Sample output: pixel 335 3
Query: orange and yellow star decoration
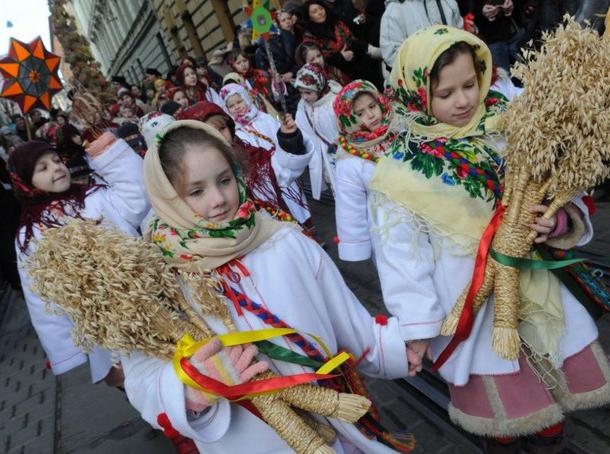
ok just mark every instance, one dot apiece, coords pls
pixel 30 75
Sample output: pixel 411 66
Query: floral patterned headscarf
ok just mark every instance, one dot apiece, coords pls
pixel 409 83
pixel 311 76
pixel 187 240
pixel 235 89
pixel 351 130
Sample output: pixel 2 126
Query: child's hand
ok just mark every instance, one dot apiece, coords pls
pixel 348 55
pixel 232 365
pixel 288 125
pixel 543 226
pixel 415 354
pixel 508 7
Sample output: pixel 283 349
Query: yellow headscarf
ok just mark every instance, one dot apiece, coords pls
pixel 417 173
pixel 410 81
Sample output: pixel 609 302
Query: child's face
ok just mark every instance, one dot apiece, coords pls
pixel 51 174
pixel 241 64
pixel 219 123
pixel 190 77
pixel 236 105
pixel 181 99
pixel 208 185
pixel 315 56
pixel 455 97
pixel 368 112
pixel 309 96
pixel 285 21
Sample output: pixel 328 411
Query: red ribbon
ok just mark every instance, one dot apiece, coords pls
pixel 234 392
pixel 466 320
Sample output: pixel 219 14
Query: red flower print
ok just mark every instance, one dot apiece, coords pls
pixel 427 149
pixel 245 210
pixel 421 92
pixel 461 173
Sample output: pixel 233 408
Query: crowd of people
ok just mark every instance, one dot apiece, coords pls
pixel 389 109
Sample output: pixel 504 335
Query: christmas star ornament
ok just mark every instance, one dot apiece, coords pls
pixel 30 75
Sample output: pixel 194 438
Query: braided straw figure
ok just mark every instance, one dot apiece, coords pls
pixel 121 295
pixel 558 133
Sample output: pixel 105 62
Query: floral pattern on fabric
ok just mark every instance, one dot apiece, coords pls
pixel 170 239
pixel 311 76
pixel 342 35
pixel 457 162
pixel 349 125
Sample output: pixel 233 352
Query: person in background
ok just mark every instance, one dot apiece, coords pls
pixel 500 26
pixel 195 91
pixel 339 46
pixel 402 18
pixel 317 121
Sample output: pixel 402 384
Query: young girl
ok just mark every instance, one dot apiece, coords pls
pixel 258 82
pixel 269 176
pixel 432 197
pixel 364 118
pixel 178 95
pixel 280 276
pixel 316 120
pixel 186 77
pixel 260 130
pixel 49 198
pixel 309 52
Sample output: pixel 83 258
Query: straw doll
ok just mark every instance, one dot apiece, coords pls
pixel 433 195
pixel 49 198
pixel 269 275
pixel 138 305
pixel 364 117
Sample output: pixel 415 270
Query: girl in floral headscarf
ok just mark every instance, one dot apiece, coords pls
pixel 364 118
pixel 316 119
pixel 261 130
pixel 269 275
pixel 269 175
pixel 432 196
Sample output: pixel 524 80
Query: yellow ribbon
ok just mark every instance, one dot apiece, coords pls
pixel 187 346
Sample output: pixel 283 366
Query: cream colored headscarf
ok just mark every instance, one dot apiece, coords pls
pixel 187 240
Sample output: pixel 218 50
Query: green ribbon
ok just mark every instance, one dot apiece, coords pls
pixel 529 264
pixel 274 351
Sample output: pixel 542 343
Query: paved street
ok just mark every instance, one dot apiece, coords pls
pixel 40 413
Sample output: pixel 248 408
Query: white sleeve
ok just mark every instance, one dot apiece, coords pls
pixel 153 388
pixel 212 96
pixel 351 213
pixel 405 262
pixel 121 168
pixel 584 212
pixel 392 34
pixel 456 19
pixel 53 330
pixel 356 330
pixel 287 166
pixel 505 86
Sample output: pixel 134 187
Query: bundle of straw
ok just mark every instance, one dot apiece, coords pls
pixel 121 295
pixel 558 134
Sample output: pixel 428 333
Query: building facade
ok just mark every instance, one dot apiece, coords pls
pixel 128 36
